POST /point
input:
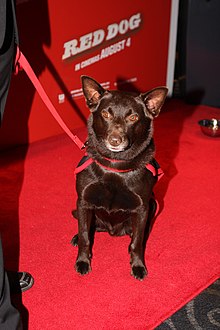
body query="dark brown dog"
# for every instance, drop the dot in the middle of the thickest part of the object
(115, 182)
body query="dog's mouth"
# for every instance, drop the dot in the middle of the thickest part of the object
(116, 143)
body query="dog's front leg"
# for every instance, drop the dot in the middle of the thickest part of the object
(82, 265)
(137, 246)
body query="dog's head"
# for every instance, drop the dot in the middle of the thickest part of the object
(121, 121)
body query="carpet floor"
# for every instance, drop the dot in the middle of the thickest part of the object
(183, 251)
(200, 313)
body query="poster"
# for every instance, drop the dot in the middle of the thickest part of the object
(121, 44)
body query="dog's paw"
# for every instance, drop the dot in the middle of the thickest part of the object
(82, 267)
(139, 272)
(74, 240)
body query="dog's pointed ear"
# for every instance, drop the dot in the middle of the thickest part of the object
(92, 91)
(154, 100)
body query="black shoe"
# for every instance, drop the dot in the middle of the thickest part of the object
(20, 281)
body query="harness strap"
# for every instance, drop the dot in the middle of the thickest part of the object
(155, 171)
(86, 161)
(113, 169)
(21, 62)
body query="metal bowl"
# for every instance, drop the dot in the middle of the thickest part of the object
(210, 127)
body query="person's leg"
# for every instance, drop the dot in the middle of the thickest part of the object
(9, 316)
(7, 51)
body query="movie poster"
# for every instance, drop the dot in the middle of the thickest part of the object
(121, 44)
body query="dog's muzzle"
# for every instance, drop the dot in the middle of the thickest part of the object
(116, 142)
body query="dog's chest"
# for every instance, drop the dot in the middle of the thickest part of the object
(112, 194)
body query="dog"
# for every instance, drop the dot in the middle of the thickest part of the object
(115, 180)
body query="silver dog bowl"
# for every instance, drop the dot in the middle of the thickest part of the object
(210, 127)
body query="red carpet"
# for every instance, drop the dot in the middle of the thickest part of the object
(183, 252)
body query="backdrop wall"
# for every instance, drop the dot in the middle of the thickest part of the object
(122, 45)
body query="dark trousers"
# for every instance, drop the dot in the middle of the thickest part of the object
(9, 316)
(8, 37)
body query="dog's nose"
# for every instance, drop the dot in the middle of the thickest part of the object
(115, 140)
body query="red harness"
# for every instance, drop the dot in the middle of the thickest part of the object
(153, 167)
(86, 161)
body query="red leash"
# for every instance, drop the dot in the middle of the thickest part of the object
(22, 63)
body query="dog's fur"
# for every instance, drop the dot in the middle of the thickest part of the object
(120, 137)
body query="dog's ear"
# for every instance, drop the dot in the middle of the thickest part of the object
(92, 91)
(154, 100)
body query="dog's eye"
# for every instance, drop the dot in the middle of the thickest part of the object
(133, 117)
(106, 114)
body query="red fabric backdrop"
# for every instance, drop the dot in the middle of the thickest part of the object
(112, 42)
